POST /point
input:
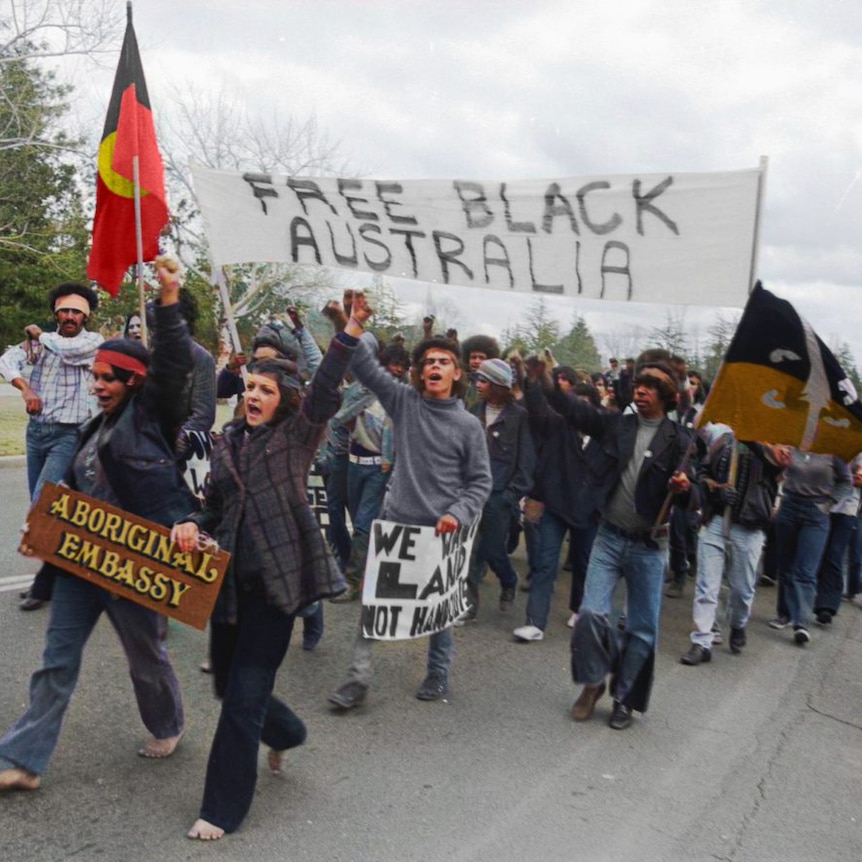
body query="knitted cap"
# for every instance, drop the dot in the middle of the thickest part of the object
(496, 371)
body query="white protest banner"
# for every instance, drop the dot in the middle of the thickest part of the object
(677, 238)
(415, 582)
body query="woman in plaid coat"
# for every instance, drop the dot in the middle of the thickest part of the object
(256, 508)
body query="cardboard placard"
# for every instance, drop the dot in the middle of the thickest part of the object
(124, 554)
(415, 580)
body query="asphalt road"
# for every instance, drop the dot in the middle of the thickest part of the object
(751, 758)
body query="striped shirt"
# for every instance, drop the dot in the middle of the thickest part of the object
(60, 375)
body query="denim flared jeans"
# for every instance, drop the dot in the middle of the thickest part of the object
(75, 609)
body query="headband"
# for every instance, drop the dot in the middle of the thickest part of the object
(73, 301)
(121, 360)
(652, 371)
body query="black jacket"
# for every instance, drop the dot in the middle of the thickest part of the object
(616, 434)
(510, 449)
(757, 482)
(136, 447)
(561, 478)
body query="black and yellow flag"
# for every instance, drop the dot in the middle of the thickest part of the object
(779, 383)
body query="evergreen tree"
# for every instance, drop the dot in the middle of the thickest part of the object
(845, 359)
(721, 333)
(577, 347)
(43, 228)
(672, 336)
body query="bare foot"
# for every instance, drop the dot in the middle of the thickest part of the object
(205, 831)
(160, 748)
(275, 759)
(18, 779)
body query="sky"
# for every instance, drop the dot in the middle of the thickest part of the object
(507, 90)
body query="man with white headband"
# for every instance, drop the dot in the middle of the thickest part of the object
(52, 372)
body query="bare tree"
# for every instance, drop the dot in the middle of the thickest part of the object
(34, 34)
(47, 29)
(721, 333)
(672, 336)
(623, 343)
(216, 129)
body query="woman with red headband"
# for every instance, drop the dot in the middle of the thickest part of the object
(123, 458)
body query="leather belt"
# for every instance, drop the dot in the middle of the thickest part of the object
(652, 535)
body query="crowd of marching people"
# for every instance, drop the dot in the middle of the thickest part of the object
(604, 475)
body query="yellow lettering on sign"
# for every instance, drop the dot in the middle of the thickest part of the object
(134, 543)
(60, 508)
(143, 583)
(80, 513)
(126, 573)
(69, 546)
(88, 555)
(109, 564)
(159, 590)
(204, 574)
(178, 592)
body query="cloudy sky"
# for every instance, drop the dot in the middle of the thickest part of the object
(506, 90)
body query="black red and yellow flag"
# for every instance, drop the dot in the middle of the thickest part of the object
(129, 132)
(779, 383)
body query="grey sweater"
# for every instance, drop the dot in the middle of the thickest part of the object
(441, 464)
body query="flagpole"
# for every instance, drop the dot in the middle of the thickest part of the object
(758, 222)
(221, 281)
(139, 242)
(139, 233)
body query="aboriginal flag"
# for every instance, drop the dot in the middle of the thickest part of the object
(129, 132)
(779, 383)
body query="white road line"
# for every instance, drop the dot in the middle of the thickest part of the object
(15, 582)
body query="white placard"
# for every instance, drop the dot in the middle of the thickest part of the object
(415, 582)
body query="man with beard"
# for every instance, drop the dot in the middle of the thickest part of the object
(56, 395)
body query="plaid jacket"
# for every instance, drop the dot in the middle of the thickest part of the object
(258, 481)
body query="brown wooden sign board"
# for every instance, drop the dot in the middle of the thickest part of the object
(124, 554)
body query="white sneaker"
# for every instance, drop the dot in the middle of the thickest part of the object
(572, 620)
(528, 633)
(857, 600)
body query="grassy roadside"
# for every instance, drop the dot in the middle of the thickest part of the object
(13, 423)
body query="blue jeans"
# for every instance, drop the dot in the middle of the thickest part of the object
(491, 543)
(801, 530)
(641, 564)
(746, 546)
(336, 504)
(366, 485)
(245, 660)
(830, 576)
(551, 531)
(76, 608)
(51, 446)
